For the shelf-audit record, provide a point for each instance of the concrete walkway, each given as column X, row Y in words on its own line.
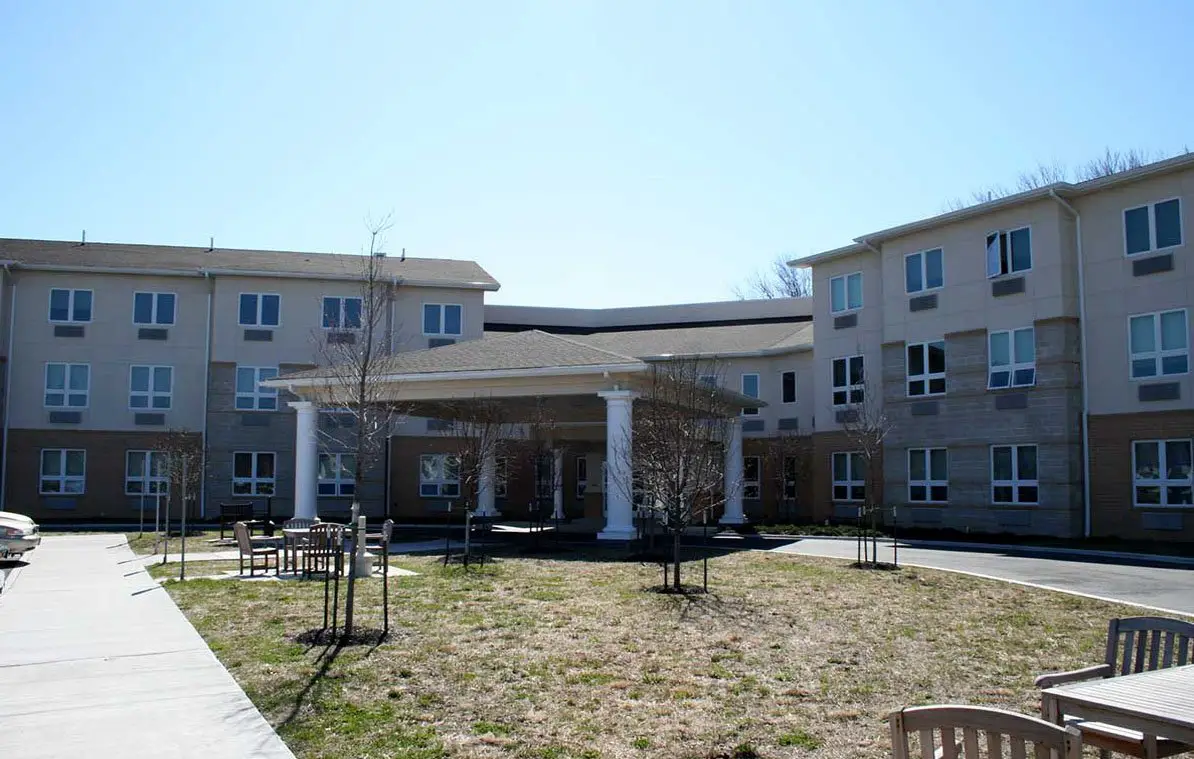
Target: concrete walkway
column 1168, row 590
column 96, row 660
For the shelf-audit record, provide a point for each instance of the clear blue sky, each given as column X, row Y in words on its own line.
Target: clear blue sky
column 586, row 153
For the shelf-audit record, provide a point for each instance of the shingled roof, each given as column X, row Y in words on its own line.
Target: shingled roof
column 182, row 261
column 722, row 340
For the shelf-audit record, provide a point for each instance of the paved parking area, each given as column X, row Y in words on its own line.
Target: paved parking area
column 96, row 660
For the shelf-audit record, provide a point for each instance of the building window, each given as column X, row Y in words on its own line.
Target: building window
column 260, row 310
column 1009, row 252
column 849, row 477
column 750, row 388
column 1159, row 344
column 150, row 387
column 791, row 467
column 845, row 292
column 145, row 473
column 442, row 319
column 751, row 476
column 153, row 308
column 928, row 475
column 582, row 477
column 1013, row 474
column 1161, row 473
column 439, row 475
column 1012, row 357
column 337, row 474
column 68, row 385
column 341, row 313
column 63, row 470
column 70, row 306
column 501, row 477
column 252, row 473
column 787, row 385
column 926, row 368
column 250, row 394
column 1156, row 226
column 847, row 381
column 924, row 271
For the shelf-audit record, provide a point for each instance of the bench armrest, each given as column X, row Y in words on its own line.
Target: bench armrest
column 1074, row 676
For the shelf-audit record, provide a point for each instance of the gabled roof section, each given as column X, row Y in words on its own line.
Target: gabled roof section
column 185, row 261
column 509, row 352
column 717, row 341
column 1061, row 189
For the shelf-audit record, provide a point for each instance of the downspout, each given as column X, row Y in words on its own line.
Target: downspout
column 12, row 331
column 206, row 390
column 1082, row 364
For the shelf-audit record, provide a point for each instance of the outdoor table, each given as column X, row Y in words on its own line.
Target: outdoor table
column 290, row 539
column 1160, row 702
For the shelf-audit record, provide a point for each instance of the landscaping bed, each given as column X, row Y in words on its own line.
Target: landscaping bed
column 578, row 657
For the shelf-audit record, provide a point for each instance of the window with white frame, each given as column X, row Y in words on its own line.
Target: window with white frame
column 1012, row 358
column 442, row 319
column 70, row 306
column 1009, row 252
column 787, row 387
column 145, row 473
column 63, row 471
column 791, row 465
column 253, row 473
column 1159, row 344
column 707, row 380
column 151, row 387
column 582, row 477
column 845, row 292
column 926, row 368
column 1161, row 473
column 260, row 309
column 439, row 475
column 153, row 308
column 928, row 475
column 501, row 477
column 752, row 474
column 250, row 394
column 750, row 388
column 337, row 474
column 924, row 271
column 848, row 381
column 68, row 385
column 341, row 313
column 1152, row 227
column 1013, row 474
column 849, row 477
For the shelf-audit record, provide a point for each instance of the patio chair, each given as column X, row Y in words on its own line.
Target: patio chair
column 253, row 551
column 231, row 513
column 324, row 552
column 983, row 729
column 1134, row 644
column 380, row 541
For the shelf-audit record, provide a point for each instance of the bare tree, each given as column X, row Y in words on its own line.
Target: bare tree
column 787, row 467
column 177, row 463
column 866, row 425
column 680, row 427
column 777, row 281
column 536, row 450
column 354, row 346
column 476, row 430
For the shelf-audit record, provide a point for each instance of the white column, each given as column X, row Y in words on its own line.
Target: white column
column 486, row 493
column 733, row 487
column 557, row 473
column 306, row 460
column 619, row 417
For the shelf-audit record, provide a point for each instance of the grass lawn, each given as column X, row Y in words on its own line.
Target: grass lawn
column 195, row 569
column 198, row 541
column 787, row 657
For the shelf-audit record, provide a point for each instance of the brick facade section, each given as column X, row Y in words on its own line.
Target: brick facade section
column 1111, row 511
column 103, row 497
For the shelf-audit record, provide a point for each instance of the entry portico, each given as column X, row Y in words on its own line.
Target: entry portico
column 526, row 374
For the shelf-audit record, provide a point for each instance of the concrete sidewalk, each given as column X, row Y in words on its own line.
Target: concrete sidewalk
column 96, row 660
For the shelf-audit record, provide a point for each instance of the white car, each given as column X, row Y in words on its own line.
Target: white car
column 18, row 534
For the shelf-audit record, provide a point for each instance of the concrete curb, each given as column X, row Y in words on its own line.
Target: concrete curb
column 1015, row 550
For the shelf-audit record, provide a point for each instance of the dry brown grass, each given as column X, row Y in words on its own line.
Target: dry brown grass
column 787, row 657
column 197, row 541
